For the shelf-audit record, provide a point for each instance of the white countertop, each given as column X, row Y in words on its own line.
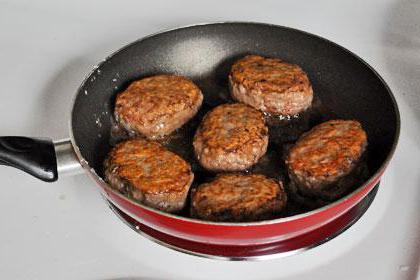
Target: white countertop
column 64, row 230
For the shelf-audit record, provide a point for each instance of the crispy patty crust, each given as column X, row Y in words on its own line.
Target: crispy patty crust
column 270, row 85
column 231, row 137
column 147, row 172
column 325, row 155
column 238, row 198
column 157, row 105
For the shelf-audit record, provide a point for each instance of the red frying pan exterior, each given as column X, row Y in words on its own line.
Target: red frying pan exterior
column 254, row 252
column 239, row 233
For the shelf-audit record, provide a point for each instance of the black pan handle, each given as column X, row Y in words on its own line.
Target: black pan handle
column 33, row 155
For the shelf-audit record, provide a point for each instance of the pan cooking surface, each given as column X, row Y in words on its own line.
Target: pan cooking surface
column 344, row 87
column 283, row 134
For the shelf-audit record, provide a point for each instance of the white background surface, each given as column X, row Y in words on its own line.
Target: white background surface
column 65, row 231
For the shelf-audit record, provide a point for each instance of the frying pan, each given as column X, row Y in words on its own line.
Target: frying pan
column 343, row 82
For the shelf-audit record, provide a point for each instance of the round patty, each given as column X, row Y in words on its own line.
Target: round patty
column 270, row 85
column 231, row 137
column 324, row 155
column 157, row 105
column 147, row 172
column 236, row 197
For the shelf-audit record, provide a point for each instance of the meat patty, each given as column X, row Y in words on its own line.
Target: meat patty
column 157, row 105
column 270, row 85
column 147, row 172
column 231, row 137
column 238, row 198
column 320, row 160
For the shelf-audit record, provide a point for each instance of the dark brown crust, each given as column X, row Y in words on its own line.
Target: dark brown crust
column 270, row 85
column 238, row 198
column 325, row 154
column 149, row 173
column 157, row 105
column 232, row 137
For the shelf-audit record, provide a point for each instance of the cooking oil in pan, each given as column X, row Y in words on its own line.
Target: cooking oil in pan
column 283, row 133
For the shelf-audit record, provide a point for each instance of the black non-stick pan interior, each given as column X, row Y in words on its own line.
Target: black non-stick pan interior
column 344, row 87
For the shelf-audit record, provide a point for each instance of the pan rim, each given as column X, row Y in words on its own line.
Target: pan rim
column 370, row 181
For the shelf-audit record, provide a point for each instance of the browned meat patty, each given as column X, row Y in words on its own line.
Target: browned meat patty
column 157, row 105
column 270, row 85
column 238, row 198
column 231, row 137
column 320, row 160
column 147, row 172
